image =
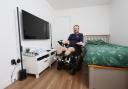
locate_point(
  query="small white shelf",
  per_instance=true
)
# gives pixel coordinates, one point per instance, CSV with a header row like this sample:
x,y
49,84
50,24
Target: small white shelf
x,y
37,64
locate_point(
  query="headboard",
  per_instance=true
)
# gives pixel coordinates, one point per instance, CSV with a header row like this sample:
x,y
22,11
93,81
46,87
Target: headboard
x,y
97,37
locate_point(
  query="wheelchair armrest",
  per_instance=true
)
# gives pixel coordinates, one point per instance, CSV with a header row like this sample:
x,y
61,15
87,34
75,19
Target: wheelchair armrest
x,y
62,44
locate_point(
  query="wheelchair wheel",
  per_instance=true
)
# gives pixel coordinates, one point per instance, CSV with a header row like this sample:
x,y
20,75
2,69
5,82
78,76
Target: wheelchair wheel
x,y
73,67
59,65
72,71
59,68
79,64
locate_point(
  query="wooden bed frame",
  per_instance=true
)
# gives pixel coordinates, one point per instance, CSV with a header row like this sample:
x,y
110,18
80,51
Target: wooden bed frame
x,y
102,77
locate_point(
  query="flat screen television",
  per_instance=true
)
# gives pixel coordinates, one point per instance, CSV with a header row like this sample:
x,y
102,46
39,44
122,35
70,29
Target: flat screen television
x,y
34,27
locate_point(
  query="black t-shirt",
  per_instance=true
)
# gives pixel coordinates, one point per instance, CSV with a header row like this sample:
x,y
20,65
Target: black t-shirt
x,y
75,38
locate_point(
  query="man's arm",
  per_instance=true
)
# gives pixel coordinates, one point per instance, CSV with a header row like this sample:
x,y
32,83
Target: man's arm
x,y
65,42
81,40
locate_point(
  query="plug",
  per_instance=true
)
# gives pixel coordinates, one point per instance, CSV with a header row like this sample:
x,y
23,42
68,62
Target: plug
x,y
18,60
13,62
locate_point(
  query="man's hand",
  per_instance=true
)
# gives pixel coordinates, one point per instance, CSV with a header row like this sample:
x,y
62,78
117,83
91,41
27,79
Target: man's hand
x,y
65,42
80,43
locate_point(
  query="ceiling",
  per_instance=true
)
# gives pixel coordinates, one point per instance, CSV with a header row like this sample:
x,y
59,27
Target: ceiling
x,y
68,4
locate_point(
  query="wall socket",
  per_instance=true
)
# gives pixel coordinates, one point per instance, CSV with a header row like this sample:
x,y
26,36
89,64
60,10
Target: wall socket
x,y
18,60
13,62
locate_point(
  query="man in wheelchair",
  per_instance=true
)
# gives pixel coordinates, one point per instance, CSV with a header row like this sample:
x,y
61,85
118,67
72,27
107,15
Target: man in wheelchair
x,y
69,54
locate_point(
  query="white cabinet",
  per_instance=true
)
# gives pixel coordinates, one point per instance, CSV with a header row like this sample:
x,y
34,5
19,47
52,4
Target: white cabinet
x,y
35,65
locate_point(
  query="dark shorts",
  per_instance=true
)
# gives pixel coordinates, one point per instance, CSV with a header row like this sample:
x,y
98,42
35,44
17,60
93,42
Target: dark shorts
x,y
71,46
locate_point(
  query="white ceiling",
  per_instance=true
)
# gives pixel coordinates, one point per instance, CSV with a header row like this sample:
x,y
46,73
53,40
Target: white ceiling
x,y
68,4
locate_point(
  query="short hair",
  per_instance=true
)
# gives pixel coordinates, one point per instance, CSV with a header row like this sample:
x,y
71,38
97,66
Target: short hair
x,y
76,26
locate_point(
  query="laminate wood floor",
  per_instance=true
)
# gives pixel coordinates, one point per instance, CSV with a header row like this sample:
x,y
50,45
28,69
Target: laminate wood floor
x,y
51,78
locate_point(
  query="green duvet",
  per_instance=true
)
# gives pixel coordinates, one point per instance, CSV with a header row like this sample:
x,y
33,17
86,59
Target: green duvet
x,y
104,54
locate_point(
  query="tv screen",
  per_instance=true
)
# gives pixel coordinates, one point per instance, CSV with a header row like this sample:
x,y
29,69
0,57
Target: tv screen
x,y
34,27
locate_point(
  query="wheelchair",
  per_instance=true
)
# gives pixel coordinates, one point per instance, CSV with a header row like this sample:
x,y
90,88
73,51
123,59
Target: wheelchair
x,y
73,62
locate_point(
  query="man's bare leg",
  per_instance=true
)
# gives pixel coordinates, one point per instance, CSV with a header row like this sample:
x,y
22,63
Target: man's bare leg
x,y
69,50
61,49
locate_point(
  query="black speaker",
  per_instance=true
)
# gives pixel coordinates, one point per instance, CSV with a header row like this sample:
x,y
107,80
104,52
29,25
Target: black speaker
x,y
22,74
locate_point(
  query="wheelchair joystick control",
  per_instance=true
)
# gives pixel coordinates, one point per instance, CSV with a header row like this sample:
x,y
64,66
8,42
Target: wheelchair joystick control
x,y
60,42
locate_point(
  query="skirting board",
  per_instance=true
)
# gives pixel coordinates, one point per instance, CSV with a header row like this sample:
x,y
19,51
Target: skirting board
x,y
4,84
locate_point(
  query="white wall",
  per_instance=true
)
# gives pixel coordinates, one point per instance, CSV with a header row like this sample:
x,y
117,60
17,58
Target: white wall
x,y
92,20
8,32
119,22
8,42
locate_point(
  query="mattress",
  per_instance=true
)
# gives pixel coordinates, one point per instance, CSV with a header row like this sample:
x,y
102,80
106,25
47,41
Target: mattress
x,y
105,54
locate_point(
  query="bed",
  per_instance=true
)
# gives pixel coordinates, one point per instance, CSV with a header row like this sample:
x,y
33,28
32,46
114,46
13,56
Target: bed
x,y
107,70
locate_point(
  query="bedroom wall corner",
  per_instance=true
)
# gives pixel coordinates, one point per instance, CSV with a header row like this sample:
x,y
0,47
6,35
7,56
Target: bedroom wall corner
x,y
119,22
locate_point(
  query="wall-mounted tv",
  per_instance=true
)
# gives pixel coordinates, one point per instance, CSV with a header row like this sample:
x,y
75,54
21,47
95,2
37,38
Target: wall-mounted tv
x,y
34,27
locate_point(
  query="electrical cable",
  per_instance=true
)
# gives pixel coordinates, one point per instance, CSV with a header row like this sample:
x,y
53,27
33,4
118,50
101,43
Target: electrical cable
x,y
13,73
